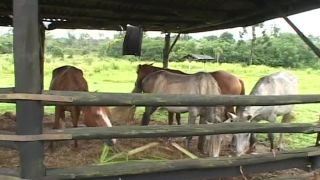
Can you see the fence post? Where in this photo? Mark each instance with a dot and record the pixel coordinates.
(28, 80)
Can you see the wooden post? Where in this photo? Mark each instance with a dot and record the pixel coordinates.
(28, 80)
(42, 37)
(303, 37)
(174, 42)
(166, 50)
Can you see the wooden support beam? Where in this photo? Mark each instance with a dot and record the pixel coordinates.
(138, 99)
(219, 167)
(166, 50)
(27, 80)
(42, 36)
(184, 130)
(314, 48)
(174, 42)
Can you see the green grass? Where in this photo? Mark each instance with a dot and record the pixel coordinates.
(118, 75)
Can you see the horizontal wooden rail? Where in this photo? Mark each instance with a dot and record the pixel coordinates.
(37, 137)
(7, 90)
(8, 173)
(34, 97)
(136, 99)
(124, 170)
(184, 130)
(163, 131)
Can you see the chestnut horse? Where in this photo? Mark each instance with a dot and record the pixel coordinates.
(69, 78)
(228, 83)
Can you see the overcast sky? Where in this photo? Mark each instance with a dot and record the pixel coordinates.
(307, 22)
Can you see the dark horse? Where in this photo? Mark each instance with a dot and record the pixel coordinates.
(228, 83)
(164, 82)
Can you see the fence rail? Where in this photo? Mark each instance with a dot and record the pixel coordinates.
(250, 163)
(136, 99)
(207, 167)
(163, 131)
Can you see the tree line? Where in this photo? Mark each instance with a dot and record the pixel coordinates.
(271, 48)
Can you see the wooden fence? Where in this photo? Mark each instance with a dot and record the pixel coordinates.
(307, 158)
(28, 94)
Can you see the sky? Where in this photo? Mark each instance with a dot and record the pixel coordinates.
(307, 22)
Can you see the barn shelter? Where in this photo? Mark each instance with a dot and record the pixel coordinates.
(178, 16)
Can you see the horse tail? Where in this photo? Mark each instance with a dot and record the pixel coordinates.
(243, 92)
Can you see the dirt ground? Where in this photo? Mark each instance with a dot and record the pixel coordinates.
(89, 151)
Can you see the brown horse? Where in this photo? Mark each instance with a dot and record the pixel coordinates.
(164, 82)
(228, 83)
(69, 78)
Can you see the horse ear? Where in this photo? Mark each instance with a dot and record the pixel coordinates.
(231, 115)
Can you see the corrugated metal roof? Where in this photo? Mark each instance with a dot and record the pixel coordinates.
(161, 15)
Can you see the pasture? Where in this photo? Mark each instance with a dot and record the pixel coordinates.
(118, 75)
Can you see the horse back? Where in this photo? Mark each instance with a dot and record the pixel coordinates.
(171, 83)
(68, 78)
(229, 83)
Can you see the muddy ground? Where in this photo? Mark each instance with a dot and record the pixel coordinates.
(88, 152)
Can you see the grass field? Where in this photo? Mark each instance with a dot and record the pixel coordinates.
(117, 75)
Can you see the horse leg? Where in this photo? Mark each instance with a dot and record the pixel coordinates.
(178, 118)
(191, 120)
(201, 139)
(170, 117)
(287, 118)
(272, 119)
(253, 141)
(146, 115)
(75, 114)
(58, 113)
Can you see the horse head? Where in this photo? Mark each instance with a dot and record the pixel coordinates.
(97, 116)
(143, 70)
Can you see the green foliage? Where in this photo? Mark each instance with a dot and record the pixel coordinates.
(6, 43)
(272, 48)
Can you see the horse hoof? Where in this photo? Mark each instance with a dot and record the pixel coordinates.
(109, 142)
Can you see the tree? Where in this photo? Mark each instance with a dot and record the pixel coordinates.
(228, 37)
(217, 51)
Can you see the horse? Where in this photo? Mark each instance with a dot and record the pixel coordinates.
(70, 78)
(229, 85)
(280, 83)
(165, 82)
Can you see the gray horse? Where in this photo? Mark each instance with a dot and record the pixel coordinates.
(164, 82)
(281, 83)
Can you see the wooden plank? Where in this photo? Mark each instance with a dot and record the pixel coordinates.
(129, 99)
(184, 151)
(216, 173)
(7, 90)
(174, 42)
(9, 172)
(35, 97)
(38, 137)
(8, 144)
(143, 167)
(166, 51)
(27, 80)
(184, 130)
